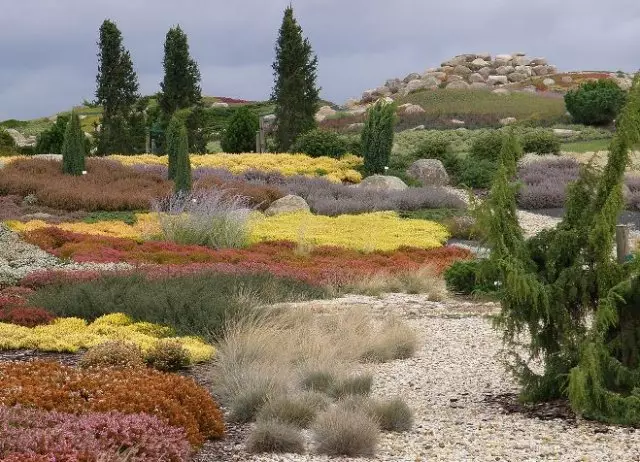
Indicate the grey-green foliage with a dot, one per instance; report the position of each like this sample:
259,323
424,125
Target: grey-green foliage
565,288
73,147
377,137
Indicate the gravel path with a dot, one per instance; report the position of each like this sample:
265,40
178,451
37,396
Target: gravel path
447,384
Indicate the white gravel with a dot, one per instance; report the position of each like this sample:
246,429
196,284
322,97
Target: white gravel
446,383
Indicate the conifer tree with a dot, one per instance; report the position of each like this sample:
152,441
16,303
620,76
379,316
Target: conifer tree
295,93
73,147
182,179
116,92
564,288
240,134
377,137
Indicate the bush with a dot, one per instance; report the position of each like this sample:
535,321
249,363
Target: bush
50,140
477,173
595,103
393,415
298,410
377,137
168,356
108,186
350,386
343,430
276,437
114,353
545,182
174,399
240,133
462,277
40,436
197,304
460,227
487,147
25,316
317,143
541,142
7,143
208,218
318,381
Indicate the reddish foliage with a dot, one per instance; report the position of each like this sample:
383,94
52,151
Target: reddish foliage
107,186
175,400
320,266
26,316
225,99
260,197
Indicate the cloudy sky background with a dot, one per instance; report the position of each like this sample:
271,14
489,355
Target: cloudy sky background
48,47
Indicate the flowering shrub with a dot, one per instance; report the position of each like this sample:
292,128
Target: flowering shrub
73,334
25,316
321,265
368,232
336,170
37,435
174,399
107,185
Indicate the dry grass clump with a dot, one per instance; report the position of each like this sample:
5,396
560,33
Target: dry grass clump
286,367
423,281
275,436
393,415
346,430
114,353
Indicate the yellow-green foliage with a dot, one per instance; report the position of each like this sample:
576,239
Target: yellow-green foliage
336,170
73,334
368,232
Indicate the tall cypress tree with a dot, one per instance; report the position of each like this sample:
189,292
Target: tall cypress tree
377,137
180,87
116,92
295,92
182,179
73,147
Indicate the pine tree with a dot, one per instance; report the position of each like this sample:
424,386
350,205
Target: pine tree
182,180
116,92
295,93
73,147
240,134
377,137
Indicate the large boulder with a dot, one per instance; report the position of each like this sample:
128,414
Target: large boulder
383,182
414,85
430,172
324,112
454,78
458,85
456,61
478,63
497,80
517,77
476,78
431,81
485,72
521,61
368,96
524,70
548,82
288,204
505,70
412,109
412,76
382,91
220,104
541,70
539,62
478,86
440,76
394,85
463,71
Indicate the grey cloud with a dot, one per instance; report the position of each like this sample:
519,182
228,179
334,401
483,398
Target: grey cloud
47,47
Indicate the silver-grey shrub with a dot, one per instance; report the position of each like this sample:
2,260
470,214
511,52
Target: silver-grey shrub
209,218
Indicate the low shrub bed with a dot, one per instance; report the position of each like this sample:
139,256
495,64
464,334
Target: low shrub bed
336,170
72,334
106,186
321,265
197,304
173,399
40,435
384,231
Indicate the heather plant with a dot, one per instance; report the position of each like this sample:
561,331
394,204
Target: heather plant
167,356
114,353
565,288
25,316
93,436
207,217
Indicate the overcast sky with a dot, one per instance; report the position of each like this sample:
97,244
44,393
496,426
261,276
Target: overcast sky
48,47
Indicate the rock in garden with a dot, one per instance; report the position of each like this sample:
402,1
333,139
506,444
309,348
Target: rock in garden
454,78
524,70
413,109
412,76
288,204
563,132
501,91
566,79
324,112
508,121
220,104
457,122
431,82
459,85
505,70
476,78
548,82
497,80
485,72
539,62
414,85
517,77
394,85
382,182
430,172
368,96
478,86
521,61
462,70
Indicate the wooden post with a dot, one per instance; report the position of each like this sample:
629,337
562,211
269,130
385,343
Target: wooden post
622,242
258,142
